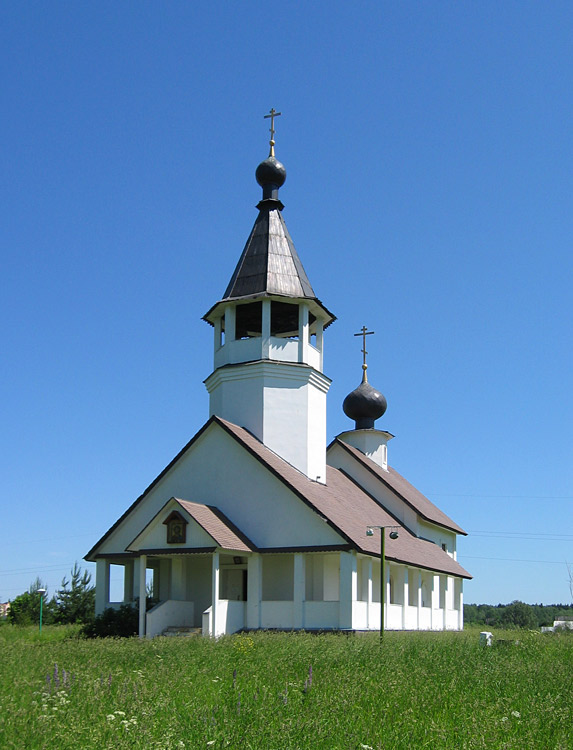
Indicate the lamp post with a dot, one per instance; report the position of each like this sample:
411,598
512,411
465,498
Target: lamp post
41,592
393,535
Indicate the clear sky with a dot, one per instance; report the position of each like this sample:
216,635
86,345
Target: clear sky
429,195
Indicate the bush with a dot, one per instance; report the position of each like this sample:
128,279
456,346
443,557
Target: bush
119,623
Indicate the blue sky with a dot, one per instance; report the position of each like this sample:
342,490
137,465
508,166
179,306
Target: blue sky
429,195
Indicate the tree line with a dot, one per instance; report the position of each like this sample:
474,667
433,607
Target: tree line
515,615
73,602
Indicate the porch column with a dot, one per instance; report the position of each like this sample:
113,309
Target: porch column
419,617
406,602
435,600
368,592
461,606
254,588
142,569
229,323
128,581
178,578
266,329
299,591
214,593
102,586
347,589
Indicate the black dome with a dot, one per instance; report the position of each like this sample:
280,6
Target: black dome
271,172
365,404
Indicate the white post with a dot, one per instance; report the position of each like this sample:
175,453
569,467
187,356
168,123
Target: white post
347,589
266,329
299,591
369,593
461,606
254,585
419,599
217,329
320,340
406,601
102,586
303,332
230,328
214,592
142,602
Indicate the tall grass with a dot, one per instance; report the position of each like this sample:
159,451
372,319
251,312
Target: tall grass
280,691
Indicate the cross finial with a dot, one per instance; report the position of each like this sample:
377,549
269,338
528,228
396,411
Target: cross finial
272,114
364,332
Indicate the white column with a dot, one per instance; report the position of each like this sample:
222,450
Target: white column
230,330
419,618
303,332
435,601
461,606
406,597
142,569
128,582
320,340
369,592
102,586
299,591
347,593
254,588
217,328
214,592
266,329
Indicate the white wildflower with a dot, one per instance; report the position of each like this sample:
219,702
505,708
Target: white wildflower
110,717
119,713
516,714
504,718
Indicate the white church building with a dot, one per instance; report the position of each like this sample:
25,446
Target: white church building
257,523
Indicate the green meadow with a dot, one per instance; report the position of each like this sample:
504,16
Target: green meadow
285,691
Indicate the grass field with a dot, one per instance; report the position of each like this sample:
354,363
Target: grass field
285,691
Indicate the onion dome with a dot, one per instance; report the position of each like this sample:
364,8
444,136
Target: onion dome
271,175
364,404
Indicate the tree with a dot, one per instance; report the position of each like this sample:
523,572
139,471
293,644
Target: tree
519,615
75,601
25,608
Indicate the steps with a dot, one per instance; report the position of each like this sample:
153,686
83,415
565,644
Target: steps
175,631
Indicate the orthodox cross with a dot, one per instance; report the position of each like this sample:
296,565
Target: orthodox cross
364,332
272,114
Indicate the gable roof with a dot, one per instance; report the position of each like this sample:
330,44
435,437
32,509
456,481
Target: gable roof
218,526
341,503
401,487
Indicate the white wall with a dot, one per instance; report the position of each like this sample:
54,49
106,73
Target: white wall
256,501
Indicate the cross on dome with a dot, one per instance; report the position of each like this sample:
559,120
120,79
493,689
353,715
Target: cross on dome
272,114
364,332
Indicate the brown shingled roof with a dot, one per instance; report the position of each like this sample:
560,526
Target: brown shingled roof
396,482
218,526
350,510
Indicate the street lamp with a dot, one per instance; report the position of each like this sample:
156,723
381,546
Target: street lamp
393,535
41,592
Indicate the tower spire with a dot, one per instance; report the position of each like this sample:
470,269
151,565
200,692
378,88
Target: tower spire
365,404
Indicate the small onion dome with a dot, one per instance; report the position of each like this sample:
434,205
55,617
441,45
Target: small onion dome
365,404
271,172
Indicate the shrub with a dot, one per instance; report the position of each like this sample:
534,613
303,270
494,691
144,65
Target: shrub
119,623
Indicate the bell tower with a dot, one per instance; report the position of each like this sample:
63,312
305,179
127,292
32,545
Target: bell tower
268,339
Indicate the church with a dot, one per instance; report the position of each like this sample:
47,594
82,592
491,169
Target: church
257,523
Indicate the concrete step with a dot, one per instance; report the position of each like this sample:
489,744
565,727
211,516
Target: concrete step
181,631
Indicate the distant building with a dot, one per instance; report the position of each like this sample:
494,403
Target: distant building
4,609
256,523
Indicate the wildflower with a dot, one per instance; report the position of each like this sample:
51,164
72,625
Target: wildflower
516,714
119,713
366,747
504,718
180,743
110,717
211,742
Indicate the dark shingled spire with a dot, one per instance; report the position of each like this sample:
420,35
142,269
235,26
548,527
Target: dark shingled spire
269,263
